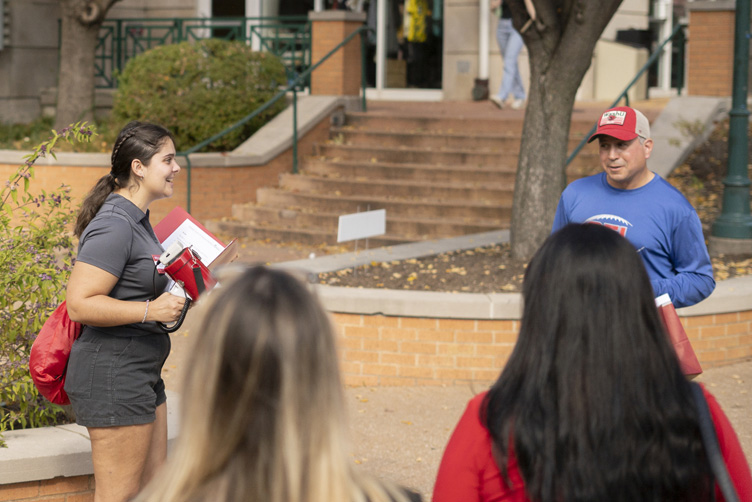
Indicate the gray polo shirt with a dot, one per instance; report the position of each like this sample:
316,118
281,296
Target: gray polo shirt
121,241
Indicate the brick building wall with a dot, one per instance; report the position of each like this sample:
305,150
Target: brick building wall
711,49
392,350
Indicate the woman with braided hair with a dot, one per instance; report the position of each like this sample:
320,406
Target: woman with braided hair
115,290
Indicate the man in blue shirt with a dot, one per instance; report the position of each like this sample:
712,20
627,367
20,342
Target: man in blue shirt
643,207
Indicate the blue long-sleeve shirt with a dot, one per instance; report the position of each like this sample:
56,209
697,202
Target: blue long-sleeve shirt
658,220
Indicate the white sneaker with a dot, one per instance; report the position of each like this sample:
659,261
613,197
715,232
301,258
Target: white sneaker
517,104
497,101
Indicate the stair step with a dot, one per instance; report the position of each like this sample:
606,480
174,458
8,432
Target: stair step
458,191
416,155
306,236
450,124
480,141
442,157
414,172
414,227
283,199
492,142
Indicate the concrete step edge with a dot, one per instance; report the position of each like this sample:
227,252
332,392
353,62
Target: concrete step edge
407,165
418,184
457,135
398,219
386,201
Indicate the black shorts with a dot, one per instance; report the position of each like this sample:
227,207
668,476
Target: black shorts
113,381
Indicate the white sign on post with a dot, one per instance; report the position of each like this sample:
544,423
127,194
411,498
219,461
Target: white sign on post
361,225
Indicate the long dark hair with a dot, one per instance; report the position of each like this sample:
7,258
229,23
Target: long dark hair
137,140
592,401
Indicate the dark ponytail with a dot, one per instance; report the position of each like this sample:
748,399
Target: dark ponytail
137,140
93,201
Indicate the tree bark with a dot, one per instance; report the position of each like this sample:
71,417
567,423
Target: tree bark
560,45
81,20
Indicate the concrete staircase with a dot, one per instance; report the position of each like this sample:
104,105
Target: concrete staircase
436,176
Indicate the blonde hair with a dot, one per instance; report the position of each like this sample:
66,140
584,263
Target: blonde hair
262,410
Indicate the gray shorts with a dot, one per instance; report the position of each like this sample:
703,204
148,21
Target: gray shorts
113,381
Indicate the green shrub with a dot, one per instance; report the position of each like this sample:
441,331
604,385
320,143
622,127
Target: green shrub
35,256
198,89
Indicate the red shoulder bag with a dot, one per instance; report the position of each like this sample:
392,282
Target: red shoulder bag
50,352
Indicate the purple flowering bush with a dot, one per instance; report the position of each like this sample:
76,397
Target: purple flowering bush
36,254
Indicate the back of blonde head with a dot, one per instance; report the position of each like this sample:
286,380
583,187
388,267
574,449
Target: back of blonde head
263,415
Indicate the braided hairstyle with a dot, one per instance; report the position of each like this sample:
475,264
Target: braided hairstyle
137,140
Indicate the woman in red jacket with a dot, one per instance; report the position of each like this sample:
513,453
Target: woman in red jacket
592,404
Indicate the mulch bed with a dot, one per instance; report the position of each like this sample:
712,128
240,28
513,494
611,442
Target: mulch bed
492,270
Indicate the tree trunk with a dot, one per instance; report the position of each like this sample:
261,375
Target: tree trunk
560,46
81,20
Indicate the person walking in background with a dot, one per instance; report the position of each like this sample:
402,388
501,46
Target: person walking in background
416,28
643,207
114,372
592,404
510,44
263,415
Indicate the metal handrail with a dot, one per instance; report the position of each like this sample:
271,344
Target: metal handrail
624,94
287,37
297,81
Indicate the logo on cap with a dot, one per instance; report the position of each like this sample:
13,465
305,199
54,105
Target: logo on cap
613,117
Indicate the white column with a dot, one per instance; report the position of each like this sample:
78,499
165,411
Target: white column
2,24
253,10
664,12
483,21
318,5
203,8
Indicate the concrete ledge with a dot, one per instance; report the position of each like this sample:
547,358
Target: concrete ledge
337,15
420,303
65,450
722,245
712,5
276,136
671,144
733,295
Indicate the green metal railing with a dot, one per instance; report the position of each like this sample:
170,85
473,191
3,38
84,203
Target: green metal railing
287,37
678,34
293,87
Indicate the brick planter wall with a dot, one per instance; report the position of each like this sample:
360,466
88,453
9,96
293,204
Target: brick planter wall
215,188
398,350
72,489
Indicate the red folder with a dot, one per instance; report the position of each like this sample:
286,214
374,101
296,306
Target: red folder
171,223
687,359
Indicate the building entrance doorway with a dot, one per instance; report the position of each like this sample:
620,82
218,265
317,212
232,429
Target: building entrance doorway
406,50
228,8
